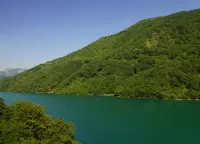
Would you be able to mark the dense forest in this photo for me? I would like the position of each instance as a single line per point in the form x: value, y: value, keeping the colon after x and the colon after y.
x: 26, y: 123
x: 155, y: 58
x: 2, y: 77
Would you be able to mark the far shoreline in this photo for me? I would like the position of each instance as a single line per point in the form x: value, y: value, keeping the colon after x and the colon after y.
x: 106, y: 95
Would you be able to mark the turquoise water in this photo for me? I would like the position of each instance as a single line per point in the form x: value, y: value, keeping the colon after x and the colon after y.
x: 110, y: 120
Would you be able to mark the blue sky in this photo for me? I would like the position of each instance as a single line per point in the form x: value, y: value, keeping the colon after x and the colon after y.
x: 36, y: 31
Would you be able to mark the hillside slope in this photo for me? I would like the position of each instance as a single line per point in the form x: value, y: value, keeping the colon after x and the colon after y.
x: 2, y: 77
x: 155, y: 58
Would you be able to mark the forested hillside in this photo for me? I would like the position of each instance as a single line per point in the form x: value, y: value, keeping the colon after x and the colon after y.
x: 2, y: 77
x: 155, y: 58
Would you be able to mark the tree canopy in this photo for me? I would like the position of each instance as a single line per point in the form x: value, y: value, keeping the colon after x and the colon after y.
x: 26, y: 123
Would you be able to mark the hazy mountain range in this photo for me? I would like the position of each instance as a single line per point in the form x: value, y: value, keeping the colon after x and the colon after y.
x: 10, y: 72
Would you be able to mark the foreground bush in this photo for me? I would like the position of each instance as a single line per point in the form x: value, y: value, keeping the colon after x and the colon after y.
x: 27, y: 123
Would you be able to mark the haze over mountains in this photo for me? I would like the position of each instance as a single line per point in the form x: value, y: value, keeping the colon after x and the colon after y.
x: 155, y: 58
x: 10, y: 72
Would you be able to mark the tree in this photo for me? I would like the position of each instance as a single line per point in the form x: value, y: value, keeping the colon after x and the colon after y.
x: 25, y: 122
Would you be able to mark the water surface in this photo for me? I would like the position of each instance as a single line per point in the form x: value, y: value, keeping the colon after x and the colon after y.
x: 109, y: 120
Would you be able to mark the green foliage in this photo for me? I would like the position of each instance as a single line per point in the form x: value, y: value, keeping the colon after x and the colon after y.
x: 25, y: 122
x: 155, y: 58
x: 2, y: 77
x: 2, y: 106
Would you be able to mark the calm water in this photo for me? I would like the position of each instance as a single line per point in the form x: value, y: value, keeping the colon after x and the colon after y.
x: 109, y: 120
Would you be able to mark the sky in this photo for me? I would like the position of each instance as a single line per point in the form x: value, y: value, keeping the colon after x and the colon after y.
x: 36, y: 31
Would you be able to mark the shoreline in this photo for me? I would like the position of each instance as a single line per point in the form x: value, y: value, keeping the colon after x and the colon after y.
x: 106, y: 95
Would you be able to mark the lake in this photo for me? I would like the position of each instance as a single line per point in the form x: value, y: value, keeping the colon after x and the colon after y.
x: 110, y: 120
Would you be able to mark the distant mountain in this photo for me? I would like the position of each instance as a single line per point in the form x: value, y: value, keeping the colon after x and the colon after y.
x: 10, y: 72
x: 155, y: 58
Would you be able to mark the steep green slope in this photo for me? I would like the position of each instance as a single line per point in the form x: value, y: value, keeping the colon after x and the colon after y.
x: 155, y: 58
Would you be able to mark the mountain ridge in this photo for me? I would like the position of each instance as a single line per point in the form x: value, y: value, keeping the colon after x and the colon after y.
x: 155, y: 58
x: 10, y: 72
